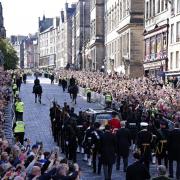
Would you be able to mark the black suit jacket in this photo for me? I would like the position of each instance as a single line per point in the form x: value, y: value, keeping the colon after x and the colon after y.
x: 137, y: 171
x: 123, y: 141
x: 108, y: 148
x: 174, y: 144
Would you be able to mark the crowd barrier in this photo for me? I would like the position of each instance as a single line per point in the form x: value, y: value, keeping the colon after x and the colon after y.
x: 95, y: 97
x: 98, y: 98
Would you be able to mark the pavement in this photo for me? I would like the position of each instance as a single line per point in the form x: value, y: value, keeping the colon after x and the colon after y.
x: 38, y: 127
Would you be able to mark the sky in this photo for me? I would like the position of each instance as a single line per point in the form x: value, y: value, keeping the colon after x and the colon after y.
x: 21, y: 16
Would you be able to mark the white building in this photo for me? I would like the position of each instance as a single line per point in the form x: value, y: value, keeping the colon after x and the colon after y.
x: 123, y: 36
x: 47, y: 41
x: 174, y: 38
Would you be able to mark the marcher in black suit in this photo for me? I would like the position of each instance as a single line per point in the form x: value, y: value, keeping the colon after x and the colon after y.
x: 123, y: 144
x: 72, y: 81
x: 137, y: 170
x: 108, y: 150
x: 144, y: 143
x: 174, y: 150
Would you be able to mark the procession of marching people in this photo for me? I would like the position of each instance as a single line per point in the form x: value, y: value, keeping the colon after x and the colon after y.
x: 147, y: 128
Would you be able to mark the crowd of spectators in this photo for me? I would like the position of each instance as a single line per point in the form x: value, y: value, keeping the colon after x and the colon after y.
x: 147, y: 92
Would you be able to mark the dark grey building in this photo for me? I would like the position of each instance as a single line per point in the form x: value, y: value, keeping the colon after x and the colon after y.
x: 2, y: 28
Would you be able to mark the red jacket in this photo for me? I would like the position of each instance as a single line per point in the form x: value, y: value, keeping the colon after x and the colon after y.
x: 115, y: 123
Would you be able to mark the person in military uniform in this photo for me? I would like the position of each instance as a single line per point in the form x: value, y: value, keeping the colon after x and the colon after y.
x: 161, y: 149
x: 87, y: 143
x: 64, y: 84
x: 96, y: 138
x: 144, y: 140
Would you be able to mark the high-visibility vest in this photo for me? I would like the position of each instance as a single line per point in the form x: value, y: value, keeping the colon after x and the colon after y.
x: 14, y: 86
x: 108, y: 98
x: 88, y: 90
x: 20, y: 127
x: 16, y: 93
x: 19, y: 106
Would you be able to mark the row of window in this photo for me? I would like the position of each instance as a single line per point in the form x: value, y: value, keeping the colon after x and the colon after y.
x: 116, y: 13
x: 154, y: 7
x: 119, y: 48
x: 174, y: 60
x: 175, y: 33
x: 156, y: 47
x: 47, y: 51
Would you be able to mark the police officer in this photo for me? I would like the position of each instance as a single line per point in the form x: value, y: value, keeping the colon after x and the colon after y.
x: 19, y: 109
x: 19, y: 129
x: 14, y: 87
x: 161, y: 149
x: 144, y: 140
x: 96, y: 137
x: 88, y: 93
x: 108, y: 100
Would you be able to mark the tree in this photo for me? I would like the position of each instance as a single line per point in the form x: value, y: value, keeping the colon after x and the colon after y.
x: 9, y: 54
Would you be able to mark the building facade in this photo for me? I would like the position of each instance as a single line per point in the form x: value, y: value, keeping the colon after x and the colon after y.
x: 47, y: 41
x: 2, y: 28
x: 81, y: 24
x: 174, y: 39
x: 96, y: 55
x: 156, y: 35
x: 31, y: 55
x: 124, y: 25
x: 18, y: 44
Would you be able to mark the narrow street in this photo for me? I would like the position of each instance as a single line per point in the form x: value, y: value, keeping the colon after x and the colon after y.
x: 38, y: 128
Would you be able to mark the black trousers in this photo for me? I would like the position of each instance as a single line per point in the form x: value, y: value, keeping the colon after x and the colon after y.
x: 96, y: 158
x: 107, y: 171
x: 177, y: 169
x: 125, y: 162
x: 72, y: 153
x: 89, y: 97
x: 39, y: 97
x: 19, y: 137
x: 19, y: 116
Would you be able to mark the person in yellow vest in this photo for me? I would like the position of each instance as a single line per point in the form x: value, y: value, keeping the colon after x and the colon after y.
x: 16, y: 95
x: 19, y: 129
x: 88, y: 93
x: 19, y: 109
x: 108, y: 100
x: 14, y: 87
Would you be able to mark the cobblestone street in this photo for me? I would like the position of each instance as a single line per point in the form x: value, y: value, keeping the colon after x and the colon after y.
x: 37, y: 120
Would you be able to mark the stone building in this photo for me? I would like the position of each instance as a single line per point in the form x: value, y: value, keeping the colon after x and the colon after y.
x: 47, y: 41
x: 174, y: 39
x: 124, y: 25
x: 64, y: 36
x: 18, y: 43
x: 96, y: 45
x: 81, y: 34
x: 2, y: 28
x: 31, y: 53
x: 156, y: 37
